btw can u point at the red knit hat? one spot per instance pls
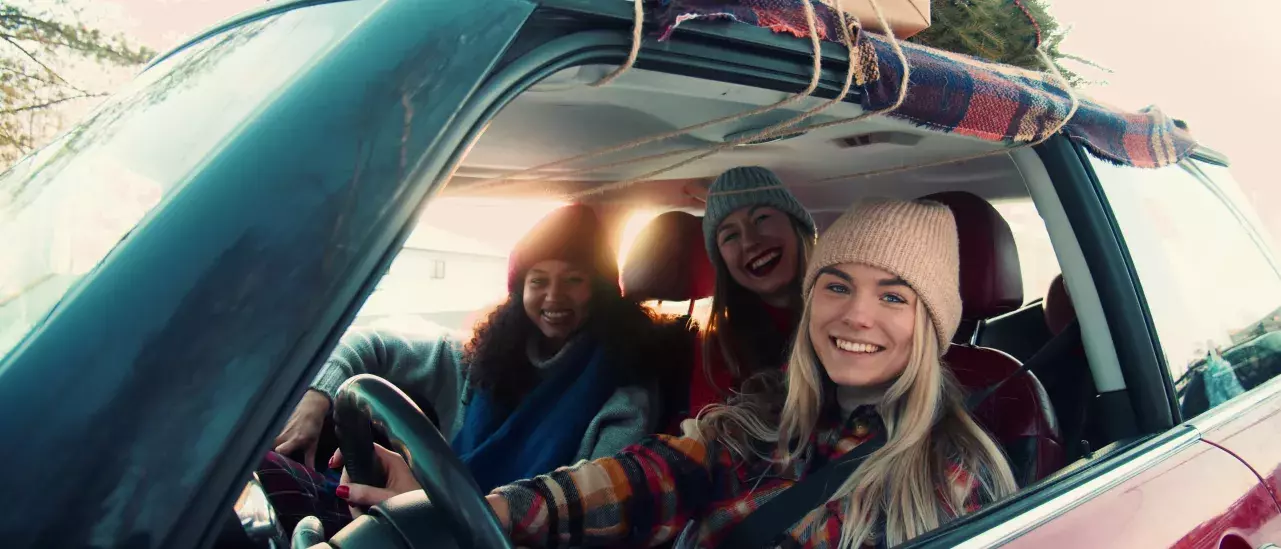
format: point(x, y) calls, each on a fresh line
point(572, 233)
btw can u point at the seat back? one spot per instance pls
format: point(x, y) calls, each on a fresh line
point(1018, 414)
point(1070, 383)
point(668, 261)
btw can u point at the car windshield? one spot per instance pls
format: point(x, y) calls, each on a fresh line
point(64, 208)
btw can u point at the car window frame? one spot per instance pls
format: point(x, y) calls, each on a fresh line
point(543, 51)
point(549, 44)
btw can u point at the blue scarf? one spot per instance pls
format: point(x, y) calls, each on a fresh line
point(545, 430)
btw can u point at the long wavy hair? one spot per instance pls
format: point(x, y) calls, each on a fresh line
point(928, 429)
point(739, 330)
point(497, 356)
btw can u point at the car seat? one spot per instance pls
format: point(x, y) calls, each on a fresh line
point(1067, 379)
point(668, 262)
point(1018, 412)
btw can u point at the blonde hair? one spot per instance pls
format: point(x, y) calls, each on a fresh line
point(905, 482)
point(721, 335)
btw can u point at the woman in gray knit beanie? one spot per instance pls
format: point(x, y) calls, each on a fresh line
point(758, 237)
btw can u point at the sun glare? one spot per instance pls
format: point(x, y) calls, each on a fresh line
point(636, 222)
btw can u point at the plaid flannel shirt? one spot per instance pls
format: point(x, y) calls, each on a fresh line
point(646, 495)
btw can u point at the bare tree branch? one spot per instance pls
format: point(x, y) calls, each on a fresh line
point(51, 103)
point(37, 61)
point(8, 139)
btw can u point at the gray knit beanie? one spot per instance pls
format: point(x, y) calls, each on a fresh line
point(915, 240)
point(744, 187)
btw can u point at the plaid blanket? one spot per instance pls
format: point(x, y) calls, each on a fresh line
point(950, 92)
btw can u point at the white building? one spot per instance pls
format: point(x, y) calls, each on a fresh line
point(440, 280)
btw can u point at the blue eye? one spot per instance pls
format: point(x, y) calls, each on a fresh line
point(894, 298)
point(761, 218)
point(838, 288)
point(728, 237)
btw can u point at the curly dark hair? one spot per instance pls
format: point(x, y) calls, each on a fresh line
point(639, 342)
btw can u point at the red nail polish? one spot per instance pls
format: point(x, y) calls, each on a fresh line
point(343, 492)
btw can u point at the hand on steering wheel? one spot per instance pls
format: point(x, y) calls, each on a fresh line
point(399, 480)
point(365, 401)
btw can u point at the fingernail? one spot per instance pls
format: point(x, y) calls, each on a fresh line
point(343, 492)
point(331, 461)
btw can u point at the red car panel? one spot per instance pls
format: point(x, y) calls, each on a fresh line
point(1253, 436)
point(1200, 496)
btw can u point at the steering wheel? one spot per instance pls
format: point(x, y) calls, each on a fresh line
point(366, 399)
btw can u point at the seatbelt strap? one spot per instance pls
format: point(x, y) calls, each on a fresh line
point(780, 513)
point(1055, 349)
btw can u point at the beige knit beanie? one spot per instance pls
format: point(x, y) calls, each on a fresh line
point(915, 240)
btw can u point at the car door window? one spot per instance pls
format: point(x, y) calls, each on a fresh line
point(1207, 274)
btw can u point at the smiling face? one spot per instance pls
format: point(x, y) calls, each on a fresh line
point(759, 248)
point(861, 323)
point(556, 298)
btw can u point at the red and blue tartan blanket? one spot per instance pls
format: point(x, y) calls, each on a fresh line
point(956, 93)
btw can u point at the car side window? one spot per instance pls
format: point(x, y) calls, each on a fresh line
point(1208, 276)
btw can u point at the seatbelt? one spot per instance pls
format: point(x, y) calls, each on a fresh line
point(1055, 349)
point(779, 514)
point(776, 516)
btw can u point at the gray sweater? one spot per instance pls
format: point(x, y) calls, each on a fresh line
point(432, 372)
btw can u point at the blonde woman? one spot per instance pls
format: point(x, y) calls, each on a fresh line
point(881, 303)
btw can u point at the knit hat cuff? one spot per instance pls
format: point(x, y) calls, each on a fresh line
point(745, 187)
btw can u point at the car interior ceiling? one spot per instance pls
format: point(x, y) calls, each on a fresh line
point(1045, 424)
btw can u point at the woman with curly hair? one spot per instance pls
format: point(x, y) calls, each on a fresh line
point(564, 370)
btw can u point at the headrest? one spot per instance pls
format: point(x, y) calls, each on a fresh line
point(668, 261)
point(1058, 306)
point(991, 279)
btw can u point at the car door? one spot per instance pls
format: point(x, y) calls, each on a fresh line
point(1212, 293)
point(188, 254)
point(1175, 482)
point(1252, 431)
point(1181, 492)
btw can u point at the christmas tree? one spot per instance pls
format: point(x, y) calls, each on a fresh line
point(1000, 31)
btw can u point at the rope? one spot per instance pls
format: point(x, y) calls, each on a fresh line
point(785, 126)
point(1072, 108)
point(766, 133)
point(638, 21)
point(1036, 26)
point(809, 90)
point(782, 128)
